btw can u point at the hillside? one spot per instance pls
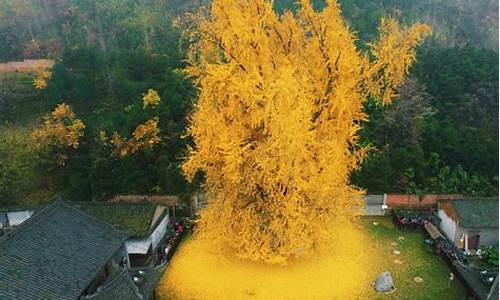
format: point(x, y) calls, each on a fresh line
point(41, 29)
point(440, 136)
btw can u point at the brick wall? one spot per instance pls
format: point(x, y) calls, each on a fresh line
point(159, 199)
point(397, 200)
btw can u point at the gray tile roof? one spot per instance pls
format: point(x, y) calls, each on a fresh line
point(151, 276)
point(55, 254)
point(477, 212)
point(134, 218)
point(471, 277)
point(119, 288)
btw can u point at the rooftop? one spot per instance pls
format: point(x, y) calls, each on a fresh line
point(475, 212)
point(137, 219)
point(134, 218)
point(55, 254)
point(121, 287)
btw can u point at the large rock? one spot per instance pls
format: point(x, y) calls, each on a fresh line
point(383, 283)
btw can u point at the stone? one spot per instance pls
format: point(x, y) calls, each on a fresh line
point(397, 252)
point(384, 283)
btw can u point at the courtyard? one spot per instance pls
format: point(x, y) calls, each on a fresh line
point(417, 272)
point(416, 259)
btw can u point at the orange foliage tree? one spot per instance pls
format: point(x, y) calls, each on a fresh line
point(42, 76)
point(144, 136)
point(151, 98)
point(275, 127)
point(61, 128)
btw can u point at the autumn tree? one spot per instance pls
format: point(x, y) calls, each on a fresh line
point(144, 137)
point(276, 124)
point(151, 98)
point(42, 76)
point(61, 129)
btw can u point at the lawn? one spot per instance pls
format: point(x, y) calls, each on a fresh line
point(416, 260)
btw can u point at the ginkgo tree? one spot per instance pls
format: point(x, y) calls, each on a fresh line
point(61, 129)
point(275, 127)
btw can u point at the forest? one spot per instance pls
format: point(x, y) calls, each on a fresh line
point(110, 117)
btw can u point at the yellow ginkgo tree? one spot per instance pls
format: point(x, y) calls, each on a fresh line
point(275, 127)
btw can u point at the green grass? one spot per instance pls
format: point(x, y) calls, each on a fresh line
point(417, 260)
point(134, 219)
point(20, 102)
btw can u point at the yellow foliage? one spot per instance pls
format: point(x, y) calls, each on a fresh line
point(61, 128)
point(344, 272)
point(151, 98)
point(42, 76)
point(276, 123)
point(394, 53)
point(144, 136)
point(103, 137)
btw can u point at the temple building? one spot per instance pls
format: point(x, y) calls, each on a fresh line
point(61, 252)
point(469, 223)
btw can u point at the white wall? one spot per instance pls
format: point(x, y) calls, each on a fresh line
point(138, 246)
point(447, 225)
point(160, 231)
point(141, 246)
point(17, 217)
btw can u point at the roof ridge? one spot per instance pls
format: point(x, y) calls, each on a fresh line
point(110, 284)
point(113, 203)
point(30, 221)
point(126, 235)
point(134, 287)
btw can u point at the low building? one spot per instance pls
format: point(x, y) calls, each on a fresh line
point(469, 223)
point(59, 253)
point(146, 224)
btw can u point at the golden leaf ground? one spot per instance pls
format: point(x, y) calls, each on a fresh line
point(198, 272)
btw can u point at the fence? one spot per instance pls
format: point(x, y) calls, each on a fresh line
point(159, 199)
point(375, 205)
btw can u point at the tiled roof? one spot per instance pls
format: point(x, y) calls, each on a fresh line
point(477, 213)
point(151, 276)
point(471, 277)
point(55, 254)
point(119, 288)
point(133, 218)
point(137, 219)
